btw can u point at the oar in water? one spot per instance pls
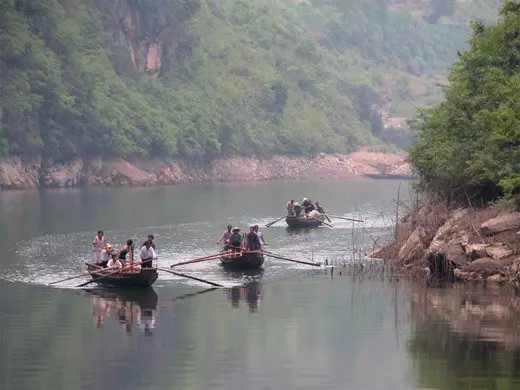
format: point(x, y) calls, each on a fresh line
point(323, 222)
point(198, 260)
point(113, 272)
point(293, 260)
point(190, 277)
point(327, 217)
point(272, 223)
point(347, 219)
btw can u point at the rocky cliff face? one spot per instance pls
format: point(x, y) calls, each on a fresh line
point(18, 174)
point(146, 33)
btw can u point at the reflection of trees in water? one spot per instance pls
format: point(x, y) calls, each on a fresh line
point(250, 292)
point(465, 337)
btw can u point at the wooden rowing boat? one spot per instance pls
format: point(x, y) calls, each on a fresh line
point(304, 222)
point(242, 260)
point(144, 277)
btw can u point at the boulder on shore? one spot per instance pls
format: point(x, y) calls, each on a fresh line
point(501, 223)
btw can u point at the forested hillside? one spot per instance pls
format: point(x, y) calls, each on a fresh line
point(469, 145)
point(203, 78)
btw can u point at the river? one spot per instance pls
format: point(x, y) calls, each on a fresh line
point(287, 327)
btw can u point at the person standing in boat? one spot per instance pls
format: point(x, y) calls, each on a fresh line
point(260, 235)
point(150, 239)
point(98, 244)
point(290, 207)
point(253, 242)
point(235, 240)
point(297, 209)
point(224, 238)
point(147, 254)
point(319, 208)
point(124, 251)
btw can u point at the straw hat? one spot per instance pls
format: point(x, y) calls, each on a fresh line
point(236, 229)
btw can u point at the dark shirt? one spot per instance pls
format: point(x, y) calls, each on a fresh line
point(152, 244)
point(253, 241)
point(235, 239)
point(309, 208)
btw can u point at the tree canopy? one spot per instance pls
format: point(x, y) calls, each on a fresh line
point(237, 77)
point(470, 142)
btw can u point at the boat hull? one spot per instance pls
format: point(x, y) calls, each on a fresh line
point(299, 223)
point(242, 260)
point(144, 278)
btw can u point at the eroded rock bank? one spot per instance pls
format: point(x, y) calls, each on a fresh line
point(16, 173)
point(473, 244)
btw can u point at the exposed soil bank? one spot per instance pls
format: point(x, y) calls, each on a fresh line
point(16, 173)
point(476, 244)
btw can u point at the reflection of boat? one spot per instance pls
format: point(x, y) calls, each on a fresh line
point(144, 297)
point(250, 292)
point(304, 222)
point(242, 259)
point(144, 277)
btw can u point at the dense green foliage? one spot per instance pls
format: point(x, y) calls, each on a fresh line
point(238, 77)
point(470, 143)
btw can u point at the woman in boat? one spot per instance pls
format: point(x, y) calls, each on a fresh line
point(106, 255)
point(124, 251)
point(98, 244)
point(235, 240)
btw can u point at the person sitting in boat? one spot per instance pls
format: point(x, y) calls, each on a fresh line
point(253, 242)
point(305, 202)
point(225, 237)
point(124, 251)
point(290, 207)
point(114, 262)
point(146, 254)
point(308, 207)
point(106, 255)
point(150, 240)
point(259, 234)
point(319, 208)
point(297, 209)
point(235, 240)
point(98, 244)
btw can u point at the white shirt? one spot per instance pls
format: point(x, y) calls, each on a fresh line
point(114, 263)
point(145, 254)
point(105, 256)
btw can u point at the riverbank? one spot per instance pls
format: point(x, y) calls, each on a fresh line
point(16, 173)
point(478, 245)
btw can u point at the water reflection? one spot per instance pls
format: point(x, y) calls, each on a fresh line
point(466, 337)
point(251, 292)
point(137, 306)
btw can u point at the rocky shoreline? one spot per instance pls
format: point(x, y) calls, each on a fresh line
point(477, 245)
point(17, 173)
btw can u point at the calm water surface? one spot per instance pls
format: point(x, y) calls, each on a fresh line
point(287, 327)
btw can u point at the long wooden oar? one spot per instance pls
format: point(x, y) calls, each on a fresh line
point(191, 277)
point(77, 276)
point(272, 223)
point(198, 260)
point(293, 260)
point(347, 219)
point(114, 272)
point(323, 222)
point(327, 217)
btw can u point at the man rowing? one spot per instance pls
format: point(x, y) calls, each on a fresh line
point(147, 254)
point(224, 238)
point(235, 240)
point(319, 208)
point(260, 235)
point(290, 207)
point(253, 241)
